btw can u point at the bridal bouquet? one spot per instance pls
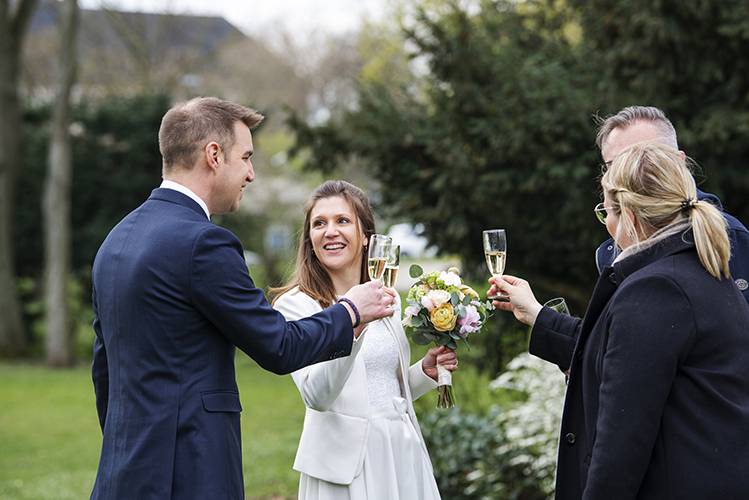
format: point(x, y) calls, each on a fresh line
point(443, 310)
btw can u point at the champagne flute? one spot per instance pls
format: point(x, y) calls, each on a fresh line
point(391, 268)
point(495, 251)
point(559, 305)
point(379, 248)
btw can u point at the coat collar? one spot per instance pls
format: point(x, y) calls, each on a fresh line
point(612, 276)
point(679, 239)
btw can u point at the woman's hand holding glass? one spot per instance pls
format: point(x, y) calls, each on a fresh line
point(522, 302)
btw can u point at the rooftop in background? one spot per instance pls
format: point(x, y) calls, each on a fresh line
point(296, 18)
point(178, 32)
point(182, 55)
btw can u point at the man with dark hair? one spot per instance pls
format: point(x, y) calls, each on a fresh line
point(172, 301)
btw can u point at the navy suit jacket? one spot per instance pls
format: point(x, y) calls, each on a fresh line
point(172, 298)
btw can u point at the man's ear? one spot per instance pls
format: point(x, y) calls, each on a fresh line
point(212, 152)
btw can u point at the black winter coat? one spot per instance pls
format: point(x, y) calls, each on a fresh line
point(657, 405)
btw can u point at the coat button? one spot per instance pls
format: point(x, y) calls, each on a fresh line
point(570, 438)
point(612, 278)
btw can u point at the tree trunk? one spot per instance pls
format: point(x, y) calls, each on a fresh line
point(13, 24)
point(56, 203)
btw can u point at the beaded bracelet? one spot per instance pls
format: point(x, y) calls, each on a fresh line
point(356, 311)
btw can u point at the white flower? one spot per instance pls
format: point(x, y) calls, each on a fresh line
point(410, 312)
point(450, 279)
point(439, 297)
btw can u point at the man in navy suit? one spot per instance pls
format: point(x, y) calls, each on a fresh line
point(172, 301)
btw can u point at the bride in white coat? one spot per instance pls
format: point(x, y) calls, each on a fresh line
point(361, 439)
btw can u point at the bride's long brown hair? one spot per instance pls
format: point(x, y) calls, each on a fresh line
point(310, 275)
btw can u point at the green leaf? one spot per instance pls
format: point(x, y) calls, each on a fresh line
point(454, 299)
point(423, 337)
point(461, 311)
point(465, 343)
point(417, 321)
point(415, 271)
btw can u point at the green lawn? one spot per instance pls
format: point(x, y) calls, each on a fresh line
point(50, 438)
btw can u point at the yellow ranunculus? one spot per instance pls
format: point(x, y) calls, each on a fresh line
point(443, 318)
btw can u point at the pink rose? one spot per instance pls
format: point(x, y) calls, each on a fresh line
point(469, 322)
point(412, 310)
point(427, 302)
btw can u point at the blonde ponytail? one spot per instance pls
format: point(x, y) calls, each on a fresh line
point(711, 239)
point(652, 180)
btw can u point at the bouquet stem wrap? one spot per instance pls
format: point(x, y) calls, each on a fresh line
point(445, 387)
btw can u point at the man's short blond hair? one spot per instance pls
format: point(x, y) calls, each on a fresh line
point(190, 125)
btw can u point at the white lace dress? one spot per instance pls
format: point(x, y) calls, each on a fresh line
point(395, 465)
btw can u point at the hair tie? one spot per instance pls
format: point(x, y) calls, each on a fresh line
point(688, 204)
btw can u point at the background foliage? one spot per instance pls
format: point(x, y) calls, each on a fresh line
point(504, 451)
point(116, 165)
point(499, 128)
point(686, 57)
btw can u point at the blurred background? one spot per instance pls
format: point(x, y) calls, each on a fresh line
point(454, 115)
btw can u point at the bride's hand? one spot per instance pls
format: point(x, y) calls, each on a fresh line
point(442, 355)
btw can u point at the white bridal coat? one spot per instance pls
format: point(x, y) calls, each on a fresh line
point(338, 418)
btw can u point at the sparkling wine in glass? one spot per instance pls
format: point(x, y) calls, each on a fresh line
point(379, 249)
point(495, 251)
point(391, 268)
